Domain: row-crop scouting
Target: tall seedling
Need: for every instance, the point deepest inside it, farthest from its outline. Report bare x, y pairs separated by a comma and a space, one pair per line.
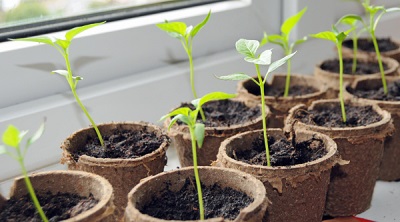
248, 48
185, 34
337, 37
196, 129
62, 46
284, 41
12, 138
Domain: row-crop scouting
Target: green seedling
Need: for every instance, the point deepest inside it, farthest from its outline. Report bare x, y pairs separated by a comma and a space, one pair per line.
248, 48
337, 37
197, 131
62, 46
12, 138
185, 34
374, 15
284, 41
352, 20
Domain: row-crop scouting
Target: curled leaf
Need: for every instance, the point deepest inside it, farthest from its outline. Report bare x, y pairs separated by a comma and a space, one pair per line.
199, 130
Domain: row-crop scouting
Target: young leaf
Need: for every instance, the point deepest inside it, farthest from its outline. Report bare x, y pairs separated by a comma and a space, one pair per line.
349, 20
279, 62
327, 35
199, 130
39, 39
264, 40
247, 47
235, 76
64, 44
36, 135
178, 28
75, 31
11, 137
183, 110
289, 23
199, 26
264, 59
61, 72
215, 96
299, 41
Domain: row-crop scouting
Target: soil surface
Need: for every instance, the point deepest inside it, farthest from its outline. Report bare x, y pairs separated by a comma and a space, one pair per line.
226, 113
295, 90
379, 94
183, 205
384, 45
282, 152
331, 116
57, 207
363, 68
122, 144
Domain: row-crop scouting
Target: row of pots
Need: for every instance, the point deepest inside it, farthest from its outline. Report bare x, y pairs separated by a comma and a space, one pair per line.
293, 187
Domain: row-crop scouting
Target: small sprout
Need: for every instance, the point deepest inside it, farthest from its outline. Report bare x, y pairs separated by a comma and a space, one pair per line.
196, 129
248, 48
337, 37
185, 34
62, 46
12, 138
283, 41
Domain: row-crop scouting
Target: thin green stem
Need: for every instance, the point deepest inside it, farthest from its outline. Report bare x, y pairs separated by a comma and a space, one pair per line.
196, 173
378, 56
263, 113
355, 48
289, 67
30, 188
341, 97
73, 89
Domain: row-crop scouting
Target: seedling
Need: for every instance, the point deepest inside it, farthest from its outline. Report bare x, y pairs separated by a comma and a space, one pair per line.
62, 46
197, 130
185, 34
12, 138
337, 37
248, 48
283, 41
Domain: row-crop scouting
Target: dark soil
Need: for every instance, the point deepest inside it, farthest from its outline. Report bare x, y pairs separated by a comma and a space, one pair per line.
295, 90
122, 144
384, 45
282, 152
331, 116
226, 113
183, 205
379, 94
57, 207
363, 68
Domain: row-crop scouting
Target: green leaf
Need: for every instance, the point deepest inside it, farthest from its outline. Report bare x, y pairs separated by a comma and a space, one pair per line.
350, 20
39, 39
288, 25
36, 135
199, 26
75, 31
327, 35
247, 47
394, 9
264, 59
3, 149
264, 40
173, 120
214, 96
199, 130
64, 44
299, 41
11, 137
235, 76
279, 63
61, 72
175, 29
182, 110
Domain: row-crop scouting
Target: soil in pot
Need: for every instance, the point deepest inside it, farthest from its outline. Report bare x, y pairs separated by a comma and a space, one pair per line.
224, 118
363, 67
282, 152
360, 141
123, 144
371, 90
182, 205
384, 45
294, 90
60, 206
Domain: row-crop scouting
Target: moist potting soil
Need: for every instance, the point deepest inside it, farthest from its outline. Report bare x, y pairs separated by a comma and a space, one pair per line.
384, 45
57, 207
183, 205
295, 90
362, 68
282, 152
379, 94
